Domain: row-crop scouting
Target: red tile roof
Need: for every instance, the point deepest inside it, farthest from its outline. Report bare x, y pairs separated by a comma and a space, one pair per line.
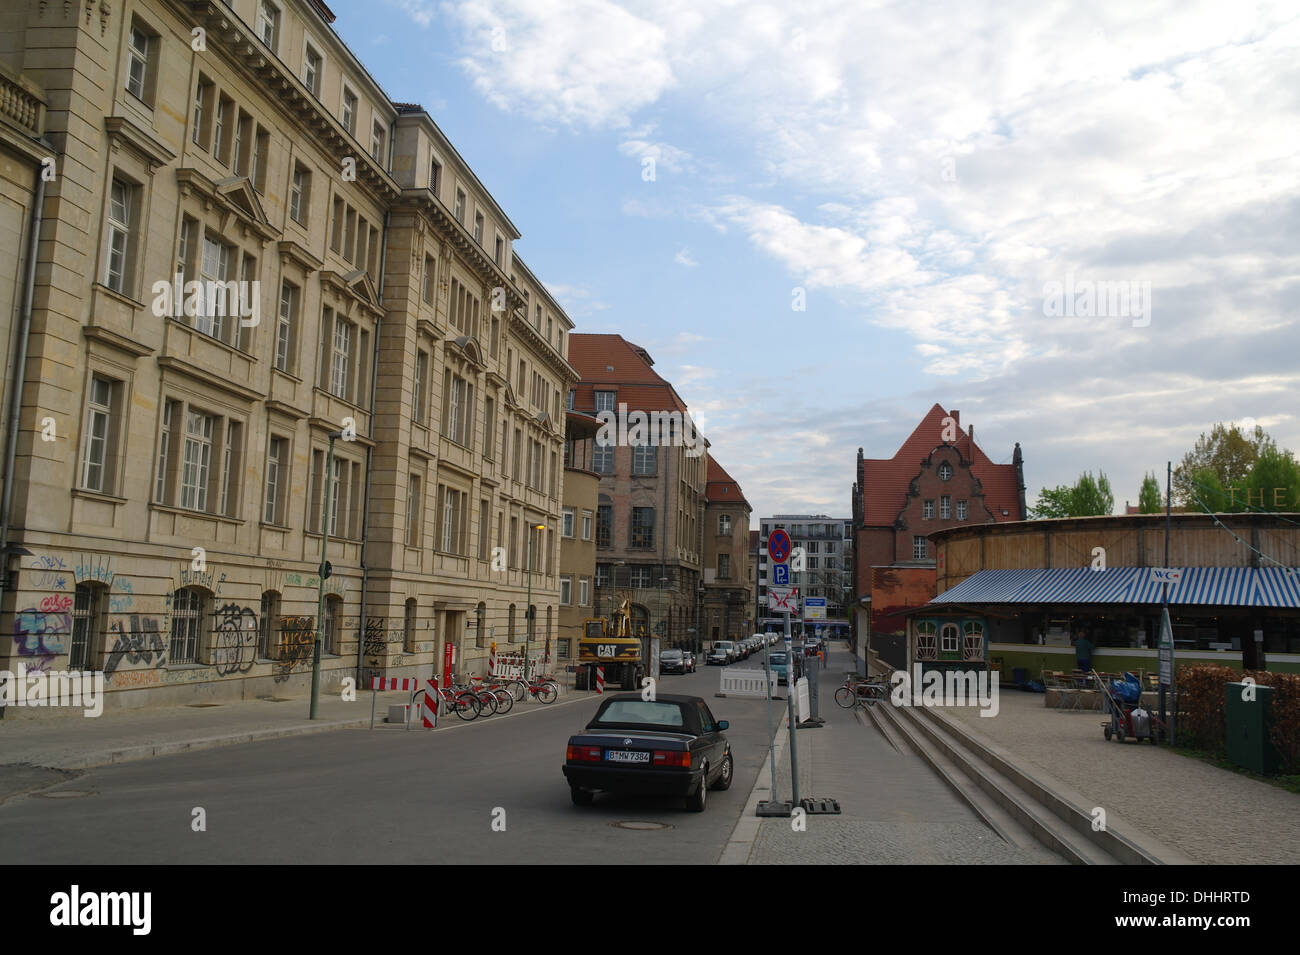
637, 384
884, 481
720, 487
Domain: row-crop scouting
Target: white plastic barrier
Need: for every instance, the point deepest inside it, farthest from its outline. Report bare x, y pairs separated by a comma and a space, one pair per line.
801, 708
749, 682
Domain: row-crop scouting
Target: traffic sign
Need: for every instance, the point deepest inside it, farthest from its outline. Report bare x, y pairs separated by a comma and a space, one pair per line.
783, 600
781, 575
814, 608
778, 546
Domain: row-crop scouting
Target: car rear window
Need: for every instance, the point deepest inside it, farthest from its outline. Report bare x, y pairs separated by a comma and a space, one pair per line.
642, 711
670, 655
777, 657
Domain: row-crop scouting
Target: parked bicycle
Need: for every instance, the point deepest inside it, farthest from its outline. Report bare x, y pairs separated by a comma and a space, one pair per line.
859, 692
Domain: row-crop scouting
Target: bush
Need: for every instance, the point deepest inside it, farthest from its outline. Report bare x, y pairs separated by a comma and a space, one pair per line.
1201, 695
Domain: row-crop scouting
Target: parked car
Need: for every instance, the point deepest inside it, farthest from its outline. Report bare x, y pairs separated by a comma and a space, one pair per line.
688, 661
672, 661
718, 655
779, 661
729, 647
669, 746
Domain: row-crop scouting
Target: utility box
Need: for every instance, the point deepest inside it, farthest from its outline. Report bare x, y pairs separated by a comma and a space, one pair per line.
1247, 724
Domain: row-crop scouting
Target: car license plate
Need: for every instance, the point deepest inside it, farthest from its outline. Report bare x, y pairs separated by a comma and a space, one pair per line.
623, 756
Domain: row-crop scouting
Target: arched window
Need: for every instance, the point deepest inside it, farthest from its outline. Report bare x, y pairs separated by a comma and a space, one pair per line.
332, 625
86, 649
948, 638
408, 626
972, 646
189, 609
268, 624
945, 471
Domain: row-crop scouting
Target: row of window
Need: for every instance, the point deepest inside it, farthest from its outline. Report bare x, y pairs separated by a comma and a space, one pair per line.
813, 530
945, 509
566, 591
569, 519
640, 577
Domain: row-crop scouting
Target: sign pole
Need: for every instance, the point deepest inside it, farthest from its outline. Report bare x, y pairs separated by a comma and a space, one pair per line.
789, 698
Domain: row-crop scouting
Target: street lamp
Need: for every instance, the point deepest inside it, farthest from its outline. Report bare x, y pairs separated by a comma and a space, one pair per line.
322, 573
528, 607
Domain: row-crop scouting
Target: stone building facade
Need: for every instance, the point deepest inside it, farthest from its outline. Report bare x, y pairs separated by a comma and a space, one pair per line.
727, 603
384, 367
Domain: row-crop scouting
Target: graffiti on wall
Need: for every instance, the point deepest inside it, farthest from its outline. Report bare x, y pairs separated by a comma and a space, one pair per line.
140, 646
297, 638
40, 633
234, 639
94, 569
376, 637
121, 602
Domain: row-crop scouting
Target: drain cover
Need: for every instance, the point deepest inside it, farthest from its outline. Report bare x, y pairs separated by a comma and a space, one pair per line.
637, 824
67, 794
201, 705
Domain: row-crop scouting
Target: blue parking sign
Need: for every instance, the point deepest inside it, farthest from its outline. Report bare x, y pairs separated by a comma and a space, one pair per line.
781, 575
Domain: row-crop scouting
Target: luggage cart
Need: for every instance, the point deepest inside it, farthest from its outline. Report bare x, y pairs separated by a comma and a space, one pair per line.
1128, 719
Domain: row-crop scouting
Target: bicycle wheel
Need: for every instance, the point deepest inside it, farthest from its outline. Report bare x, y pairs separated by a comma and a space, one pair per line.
505, 701
465, 705
547, 692
487, 703
518, 689
844, 697
873, 695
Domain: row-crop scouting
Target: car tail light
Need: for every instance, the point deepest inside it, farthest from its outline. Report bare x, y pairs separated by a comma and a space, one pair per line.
582, 754
678, 758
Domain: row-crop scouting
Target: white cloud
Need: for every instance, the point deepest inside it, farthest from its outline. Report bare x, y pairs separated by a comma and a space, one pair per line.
683, 257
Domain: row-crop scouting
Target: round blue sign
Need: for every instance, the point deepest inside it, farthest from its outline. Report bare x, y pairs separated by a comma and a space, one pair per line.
778, 546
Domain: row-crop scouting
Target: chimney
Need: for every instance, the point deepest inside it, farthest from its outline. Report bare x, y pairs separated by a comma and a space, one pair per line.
971, 431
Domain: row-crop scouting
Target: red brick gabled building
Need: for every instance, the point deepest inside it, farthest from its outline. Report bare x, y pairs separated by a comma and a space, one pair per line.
728, 598
938, 478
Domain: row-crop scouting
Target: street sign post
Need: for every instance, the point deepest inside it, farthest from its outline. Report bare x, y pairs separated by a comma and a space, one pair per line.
781, 575
814, 608
778, 546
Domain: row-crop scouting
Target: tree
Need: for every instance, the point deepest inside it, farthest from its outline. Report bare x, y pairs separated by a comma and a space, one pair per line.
1272, 485
1227, 451
1150, 500
1089, 496
1209, 492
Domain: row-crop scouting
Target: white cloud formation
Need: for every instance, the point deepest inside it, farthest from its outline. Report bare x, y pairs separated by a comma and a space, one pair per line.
683, 257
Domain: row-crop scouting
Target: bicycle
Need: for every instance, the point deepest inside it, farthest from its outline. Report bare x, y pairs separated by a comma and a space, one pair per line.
502, 697
465, 705
860, 693
520, 688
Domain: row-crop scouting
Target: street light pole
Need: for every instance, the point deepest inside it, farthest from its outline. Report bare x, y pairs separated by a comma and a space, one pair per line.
322, 573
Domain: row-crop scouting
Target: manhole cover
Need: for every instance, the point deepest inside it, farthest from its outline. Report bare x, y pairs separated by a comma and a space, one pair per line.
67, 794
635, 824
201, 705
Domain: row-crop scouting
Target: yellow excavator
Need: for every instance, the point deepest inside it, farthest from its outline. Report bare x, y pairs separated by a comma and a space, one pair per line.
610, 643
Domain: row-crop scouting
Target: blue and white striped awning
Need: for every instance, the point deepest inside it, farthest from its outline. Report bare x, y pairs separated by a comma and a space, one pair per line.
1199, 586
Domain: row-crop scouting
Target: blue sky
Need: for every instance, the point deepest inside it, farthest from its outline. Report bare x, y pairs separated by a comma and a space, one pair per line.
924, 174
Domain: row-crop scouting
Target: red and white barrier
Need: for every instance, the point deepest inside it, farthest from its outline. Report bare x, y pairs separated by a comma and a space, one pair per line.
430, 705
600, 680
492, 661
377, 683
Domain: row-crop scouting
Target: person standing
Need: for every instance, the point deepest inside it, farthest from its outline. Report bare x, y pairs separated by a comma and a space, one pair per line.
1083, 652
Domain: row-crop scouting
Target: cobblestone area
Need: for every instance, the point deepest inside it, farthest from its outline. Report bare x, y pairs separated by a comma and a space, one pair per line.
894, 809
1211, 814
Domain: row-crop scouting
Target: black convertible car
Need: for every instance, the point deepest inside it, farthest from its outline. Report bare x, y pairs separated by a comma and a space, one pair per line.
669, 746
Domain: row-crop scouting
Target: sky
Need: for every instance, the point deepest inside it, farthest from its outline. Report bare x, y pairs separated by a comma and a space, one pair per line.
857, 209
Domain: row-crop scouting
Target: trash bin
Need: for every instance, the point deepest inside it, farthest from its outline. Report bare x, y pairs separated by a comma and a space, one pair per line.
1246, 727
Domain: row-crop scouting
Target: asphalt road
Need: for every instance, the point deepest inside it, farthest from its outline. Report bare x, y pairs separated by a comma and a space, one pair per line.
387, 796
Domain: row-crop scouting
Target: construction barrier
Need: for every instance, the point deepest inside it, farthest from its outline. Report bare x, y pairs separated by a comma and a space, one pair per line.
378, 683
755, 683
600, 680
430, 705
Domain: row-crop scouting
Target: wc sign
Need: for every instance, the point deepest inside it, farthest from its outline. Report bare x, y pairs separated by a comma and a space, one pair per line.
1166, 575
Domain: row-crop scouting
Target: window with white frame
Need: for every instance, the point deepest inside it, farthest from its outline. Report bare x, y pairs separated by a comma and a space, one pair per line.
421, 386
214, 266
945, 508
452, 520
414, 507
602, 458
566, 590
478, 228
927, 510
120, 238
918, 548
286, 326
644, 458
277, 480
103, 429
230, 468
141, 65
203, 94
605, 400
459, 210
268, 23
429, 276
961, 510
221, 129
299, 194
196, 460
724, 525
948, 638
567, 523
586, 524
349, 113
340, 358
378, 135
311, 70
945, 471
640, 577
584, 591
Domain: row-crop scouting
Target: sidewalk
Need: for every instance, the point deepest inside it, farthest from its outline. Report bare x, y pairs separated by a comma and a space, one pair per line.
1212, 815
79, 743
894, 809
